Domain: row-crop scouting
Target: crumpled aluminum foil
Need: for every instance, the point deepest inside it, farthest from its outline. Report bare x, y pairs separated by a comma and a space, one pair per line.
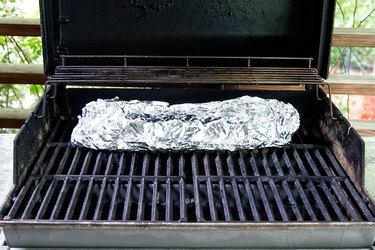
242, 123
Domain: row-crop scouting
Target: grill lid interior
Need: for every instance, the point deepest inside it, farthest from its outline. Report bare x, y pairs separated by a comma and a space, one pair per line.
290, 28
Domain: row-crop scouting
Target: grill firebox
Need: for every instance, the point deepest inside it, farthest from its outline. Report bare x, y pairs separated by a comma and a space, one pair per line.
296, 191
301, 182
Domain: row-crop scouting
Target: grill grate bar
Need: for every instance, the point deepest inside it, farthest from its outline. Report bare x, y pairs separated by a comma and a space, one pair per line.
99, 205
312, 188
98, 160
169, 202
197, 200
340, 195
146, 164
109, 165
354, 193
155, 198
299, 187
157, 165
85, 205
141, 204
275, 191
47, 200
133, 164
168, 195
261, 190
51, 162
169, 165
33, 199
249, 193
183, 213
286, 187
86, 162
210, 194
325, 188
63, 162
122, 163
74, 163
60, 199
40, 162
235, 189
128, 195
73, 201
224, 199
127, 202
181, 172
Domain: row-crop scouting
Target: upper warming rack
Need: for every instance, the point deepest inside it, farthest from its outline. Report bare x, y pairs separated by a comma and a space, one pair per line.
140, 71
186, 70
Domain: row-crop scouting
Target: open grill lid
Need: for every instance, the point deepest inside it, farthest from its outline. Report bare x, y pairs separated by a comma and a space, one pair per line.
285, 28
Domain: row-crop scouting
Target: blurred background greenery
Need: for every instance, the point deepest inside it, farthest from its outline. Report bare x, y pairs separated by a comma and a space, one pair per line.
15, 49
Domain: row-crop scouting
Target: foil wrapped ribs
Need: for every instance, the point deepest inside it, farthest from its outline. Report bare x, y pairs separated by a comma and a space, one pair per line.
242, 123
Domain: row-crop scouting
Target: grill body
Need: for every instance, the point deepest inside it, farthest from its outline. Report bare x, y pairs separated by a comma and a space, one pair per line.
304, 195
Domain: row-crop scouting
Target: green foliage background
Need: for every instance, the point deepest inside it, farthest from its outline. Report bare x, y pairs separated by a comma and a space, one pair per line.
353, 60
27, 50
354, 14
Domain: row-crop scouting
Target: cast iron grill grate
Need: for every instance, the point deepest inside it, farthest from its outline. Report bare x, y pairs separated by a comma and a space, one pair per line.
300, 182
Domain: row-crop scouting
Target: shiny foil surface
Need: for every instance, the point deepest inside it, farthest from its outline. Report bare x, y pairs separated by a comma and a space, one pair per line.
242, 123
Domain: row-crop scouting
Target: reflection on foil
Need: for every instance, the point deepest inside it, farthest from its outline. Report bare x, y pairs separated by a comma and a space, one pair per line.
241, 123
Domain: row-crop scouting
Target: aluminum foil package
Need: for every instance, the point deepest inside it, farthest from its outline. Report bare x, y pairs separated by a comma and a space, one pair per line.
242, 123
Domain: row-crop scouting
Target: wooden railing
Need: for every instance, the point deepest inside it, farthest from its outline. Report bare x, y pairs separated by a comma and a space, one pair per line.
353, 37
27, 74
19, 26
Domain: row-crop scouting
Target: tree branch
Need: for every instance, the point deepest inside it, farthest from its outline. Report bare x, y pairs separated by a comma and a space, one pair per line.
17, 51
341, 10
19, 48
15, 94
8, 51
367, 17
36, 91
338, 59
355, 12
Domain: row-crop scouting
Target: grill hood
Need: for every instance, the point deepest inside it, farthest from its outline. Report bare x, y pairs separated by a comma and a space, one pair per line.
283, 28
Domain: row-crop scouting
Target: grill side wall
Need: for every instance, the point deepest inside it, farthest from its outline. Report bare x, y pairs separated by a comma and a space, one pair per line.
347, 145
30, 140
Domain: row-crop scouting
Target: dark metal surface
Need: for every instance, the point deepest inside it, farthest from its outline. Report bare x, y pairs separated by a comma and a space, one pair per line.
346, 144
300, 182
30, 139
185, 27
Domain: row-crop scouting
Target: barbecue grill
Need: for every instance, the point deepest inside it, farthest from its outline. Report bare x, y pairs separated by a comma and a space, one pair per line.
308, 193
